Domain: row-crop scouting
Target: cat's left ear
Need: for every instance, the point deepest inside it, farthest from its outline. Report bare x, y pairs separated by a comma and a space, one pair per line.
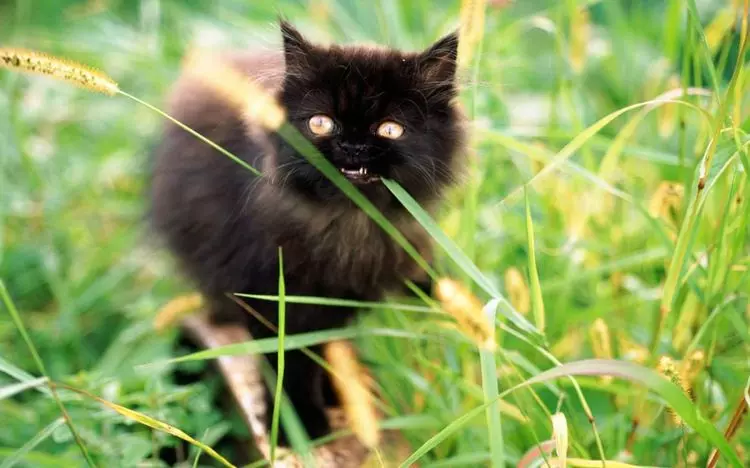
438, 63
296, 47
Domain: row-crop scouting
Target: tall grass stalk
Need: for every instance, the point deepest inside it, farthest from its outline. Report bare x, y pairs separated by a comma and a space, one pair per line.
537, 302
280, 364
687, 229
10, 306
490, 386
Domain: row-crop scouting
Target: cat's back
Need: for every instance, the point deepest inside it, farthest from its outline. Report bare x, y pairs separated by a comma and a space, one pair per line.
197, 194
202, 93
182, 160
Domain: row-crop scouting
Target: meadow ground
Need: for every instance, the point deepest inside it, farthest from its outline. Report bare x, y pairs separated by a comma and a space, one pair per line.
638, 218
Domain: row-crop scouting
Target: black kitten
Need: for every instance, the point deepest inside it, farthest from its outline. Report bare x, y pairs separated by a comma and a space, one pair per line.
373, 113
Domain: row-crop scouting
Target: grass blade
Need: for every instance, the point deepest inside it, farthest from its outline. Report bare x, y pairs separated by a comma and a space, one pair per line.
668, 391
334, 302
41, 436
192, 132
435, 440
489, 385
152, 423
540, 451
583, 137
279, 360
707, 55
301, 340
6, 299
679, 258
298, 438
441, 238
673, 395
12, 389
18, 374
537, 303
457, 255
687, 228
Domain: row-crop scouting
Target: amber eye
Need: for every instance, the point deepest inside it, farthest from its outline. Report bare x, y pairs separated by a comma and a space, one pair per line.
321, 124
390, 130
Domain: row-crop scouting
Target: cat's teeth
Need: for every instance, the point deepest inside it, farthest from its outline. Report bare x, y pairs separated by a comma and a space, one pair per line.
361, 172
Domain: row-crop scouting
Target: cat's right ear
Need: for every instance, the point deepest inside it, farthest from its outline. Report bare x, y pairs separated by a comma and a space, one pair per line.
438, 63
296, 47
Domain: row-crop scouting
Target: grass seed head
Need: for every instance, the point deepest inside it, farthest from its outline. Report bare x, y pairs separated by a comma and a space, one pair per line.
569, 345
460, 303
580, 30
601, 343
350, 382
29, 61
668, 369
518, 290
666, 202
471, 30
255, 103
691, 367
175, 309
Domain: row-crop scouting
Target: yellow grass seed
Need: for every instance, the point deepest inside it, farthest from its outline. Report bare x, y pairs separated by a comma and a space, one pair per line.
462, 305
580, 30
245, 95
692, 366
518, 290
601, 343
175, 309
350, 382
471, 30
28, 61
666, 201
668, 369
569, 345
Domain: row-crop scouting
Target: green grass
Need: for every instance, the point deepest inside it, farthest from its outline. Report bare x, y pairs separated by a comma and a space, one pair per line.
87, 281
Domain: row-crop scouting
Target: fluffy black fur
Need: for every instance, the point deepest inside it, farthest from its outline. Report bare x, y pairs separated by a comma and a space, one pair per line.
225, 225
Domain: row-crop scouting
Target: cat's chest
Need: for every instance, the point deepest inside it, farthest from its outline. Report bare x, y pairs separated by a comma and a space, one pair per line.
350, 252
349, 241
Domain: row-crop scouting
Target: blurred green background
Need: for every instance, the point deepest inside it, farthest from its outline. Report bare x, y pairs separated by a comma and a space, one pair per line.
88, 278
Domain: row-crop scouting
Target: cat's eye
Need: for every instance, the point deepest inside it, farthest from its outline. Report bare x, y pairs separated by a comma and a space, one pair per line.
321, 125
390, 130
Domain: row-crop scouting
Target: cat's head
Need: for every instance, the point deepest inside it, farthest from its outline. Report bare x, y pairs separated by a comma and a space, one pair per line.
372, 113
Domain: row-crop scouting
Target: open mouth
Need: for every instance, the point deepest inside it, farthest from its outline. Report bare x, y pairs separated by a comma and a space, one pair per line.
360, 175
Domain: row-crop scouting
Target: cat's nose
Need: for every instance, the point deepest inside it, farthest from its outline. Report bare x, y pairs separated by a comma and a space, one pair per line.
352, 149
